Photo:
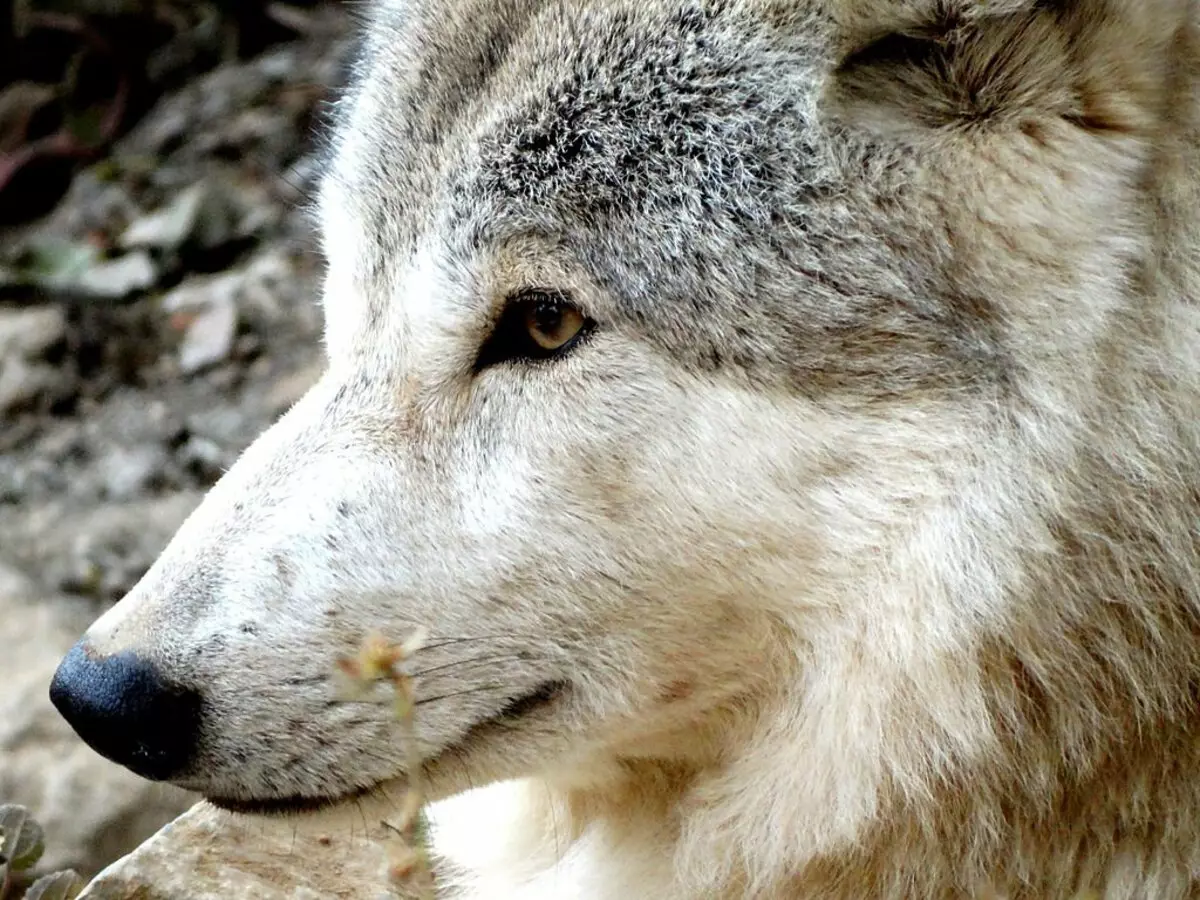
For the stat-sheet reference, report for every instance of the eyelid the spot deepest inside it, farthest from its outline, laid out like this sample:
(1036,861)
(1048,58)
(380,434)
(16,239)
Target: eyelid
(532,295)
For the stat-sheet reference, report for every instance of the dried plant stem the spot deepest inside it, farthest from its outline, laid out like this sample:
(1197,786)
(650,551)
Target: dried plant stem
(380,661)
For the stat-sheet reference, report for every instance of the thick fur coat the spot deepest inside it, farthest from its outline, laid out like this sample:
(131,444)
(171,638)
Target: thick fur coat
(851,549)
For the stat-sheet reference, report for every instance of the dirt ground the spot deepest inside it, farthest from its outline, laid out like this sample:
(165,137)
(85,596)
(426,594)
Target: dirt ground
(163,311)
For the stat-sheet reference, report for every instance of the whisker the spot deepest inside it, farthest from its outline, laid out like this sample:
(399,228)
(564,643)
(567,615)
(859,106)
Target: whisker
(448,641)
(475,690)
(387,795)
(470,663)
(302,680)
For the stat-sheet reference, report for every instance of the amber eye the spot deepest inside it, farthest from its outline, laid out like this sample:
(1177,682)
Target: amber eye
(535,325)
(552,323)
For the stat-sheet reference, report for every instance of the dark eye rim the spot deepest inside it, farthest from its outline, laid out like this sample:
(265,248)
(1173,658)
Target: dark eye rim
(510,341)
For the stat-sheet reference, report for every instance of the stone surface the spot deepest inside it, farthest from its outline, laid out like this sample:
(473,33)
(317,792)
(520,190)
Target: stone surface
(98,553)
(23,382)
(207,854)
(91,809)
(119,277)
(25,336)
(209,336)
(115,415)
(208,309)
(29,332)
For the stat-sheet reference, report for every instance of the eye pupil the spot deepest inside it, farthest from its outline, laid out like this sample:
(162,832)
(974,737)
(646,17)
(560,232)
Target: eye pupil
(548,316)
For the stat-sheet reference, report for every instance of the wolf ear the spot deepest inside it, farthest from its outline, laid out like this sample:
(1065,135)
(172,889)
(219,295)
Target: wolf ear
(1101,65)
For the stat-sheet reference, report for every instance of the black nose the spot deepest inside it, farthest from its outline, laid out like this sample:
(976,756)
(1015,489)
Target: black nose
(124,708)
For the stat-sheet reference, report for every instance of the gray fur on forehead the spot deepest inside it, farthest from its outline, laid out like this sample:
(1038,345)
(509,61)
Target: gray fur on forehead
(676,151)
(650,110)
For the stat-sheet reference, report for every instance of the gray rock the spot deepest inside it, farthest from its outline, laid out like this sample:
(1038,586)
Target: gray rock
(25,336)
(209,305)
(127,473)
(264,281)
(30,332)
(117,278)
(201,214)
(98,550)
(214,306)
(113,545)
(205,457)
(206,854)
(91,809)
(93,203)
(210,337)
(22,382)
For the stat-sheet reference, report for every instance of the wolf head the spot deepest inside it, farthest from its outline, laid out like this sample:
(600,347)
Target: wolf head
(730,386)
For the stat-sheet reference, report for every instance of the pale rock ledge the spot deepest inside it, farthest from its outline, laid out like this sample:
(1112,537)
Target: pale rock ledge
(208,854)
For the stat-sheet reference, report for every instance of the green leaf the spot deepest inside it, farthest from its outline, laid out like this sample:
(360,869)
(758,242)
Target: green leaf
(23,839)
(65,885)
(56,264)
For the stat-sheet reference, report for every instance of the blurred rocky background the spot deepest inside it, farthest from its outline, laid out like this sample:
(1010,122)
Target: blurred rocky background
(158,285)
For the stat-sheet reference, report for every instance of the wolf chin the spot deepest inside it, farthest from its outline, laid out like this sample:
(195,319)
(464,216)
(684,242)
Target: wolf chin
(784,417)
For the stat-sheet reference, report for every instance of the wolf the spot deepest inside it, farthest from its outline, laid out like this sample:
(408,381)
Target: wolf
(783,419)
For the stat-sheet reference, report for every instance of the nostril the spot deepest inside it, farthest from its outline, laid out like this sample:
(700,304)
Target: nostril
(124,708)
